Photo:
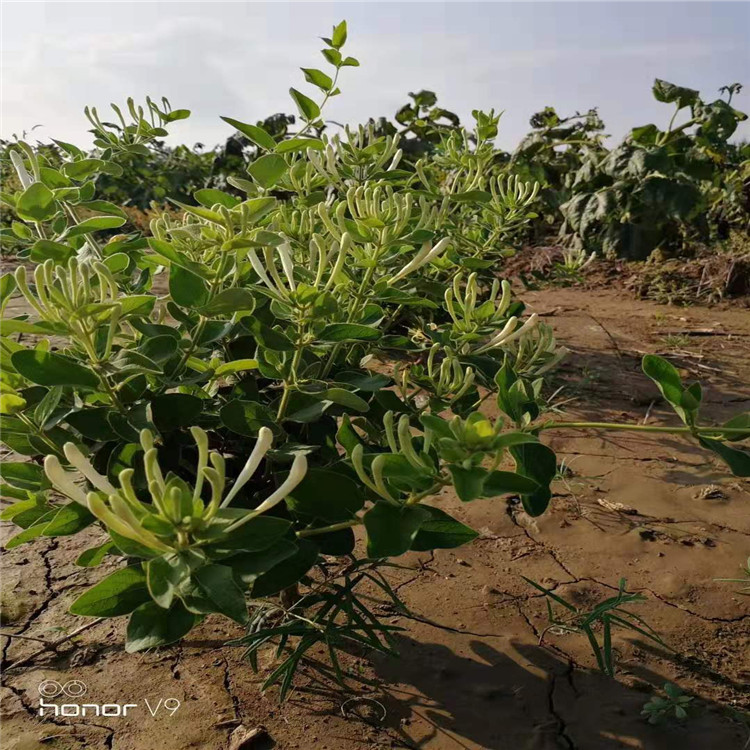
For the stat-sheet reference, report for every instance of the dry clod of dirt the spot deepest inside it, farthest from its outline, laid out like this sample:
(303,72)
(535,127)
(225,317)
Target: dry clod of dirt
(243,738)
(617,507)
(711,492)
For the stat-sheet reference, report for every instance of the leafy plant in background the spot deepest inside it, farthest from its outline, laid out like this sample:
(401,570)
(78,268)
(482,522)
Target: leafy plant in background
(660,187)
(745,580)
(229,398)
(675,705)
(608,614)
(552,154)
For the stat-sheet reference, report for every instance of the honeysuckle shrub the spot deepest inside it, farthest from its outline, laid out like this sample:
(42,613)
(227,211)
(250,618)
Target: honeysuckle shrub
(228,398)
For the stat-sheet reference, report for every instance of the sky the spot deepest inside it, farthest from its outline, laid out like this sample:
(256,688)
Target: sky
(239,59)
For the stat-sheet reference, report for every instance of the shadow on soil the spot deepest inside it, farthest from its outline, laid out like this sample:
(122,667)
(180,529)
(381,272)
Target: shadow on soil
(529,698)
(522,698)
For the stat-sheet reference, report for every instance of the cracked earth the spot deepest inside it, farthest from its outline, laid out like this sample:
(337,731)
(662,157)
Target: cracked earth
(652,509)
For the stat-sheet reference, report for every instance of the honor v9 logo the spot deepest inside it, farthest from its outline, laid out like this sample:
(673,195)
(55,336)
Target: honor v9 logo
(76,690)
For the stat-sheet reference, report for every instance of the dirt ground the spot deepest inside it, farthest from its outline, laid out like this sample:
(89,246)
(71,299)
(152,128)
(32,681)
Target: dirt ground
(472,673)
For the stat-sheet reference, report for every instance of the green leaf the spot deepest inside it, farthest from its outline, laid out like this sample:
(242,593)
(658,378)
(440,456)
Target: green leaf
(348,332)
(70,519)
(391,529)
(209,197)
(42,250)
(163,576)
(364,380)
(254,132)
(26,535)
(48,368)
(256,208)
(201,212)
(159,349)
(246,417)
(685,402)
(538,462)
(47,406)
(176,114)
(254,536)
(287,572)
(92,423)
(237,365)
(469,483)
(24,475)
(186,288)
(131,548)
(441,531)
(36,203)
(118,594)
(82,169)
(25,512)
(318,78)
(670,93)
(268,170)
(229,302)
(332,55)
(345,398)
(308,109)
(104,207)
(248,566)
(7,287)
(506,482)
(10,403)
(739,421)
(150,626)
(267,337)
(338,38)
(347,435)
(399,297)
(171,411)
(737,460)
(299,144)
(327,495)
(95,224)
(95,555)
(218,584)
(337,543)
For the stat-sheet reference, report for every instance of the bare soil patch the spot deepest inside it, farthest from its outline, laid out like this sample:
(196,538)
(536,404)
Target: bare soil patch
(472,673)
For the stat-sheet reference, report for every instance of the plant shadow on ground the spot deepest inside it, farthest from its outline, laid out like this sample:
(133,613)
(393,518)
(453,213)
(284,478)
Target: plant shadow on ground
(523,698)
(616,378)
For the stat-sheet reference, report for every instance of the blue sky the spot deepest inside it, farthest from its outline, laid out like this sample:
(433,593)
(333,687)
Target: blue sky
(239,59)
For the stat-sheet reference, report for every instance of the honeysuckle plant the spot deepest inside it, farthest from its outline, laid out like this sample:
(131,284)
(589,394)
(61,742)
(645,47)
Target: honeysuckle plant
(236,398)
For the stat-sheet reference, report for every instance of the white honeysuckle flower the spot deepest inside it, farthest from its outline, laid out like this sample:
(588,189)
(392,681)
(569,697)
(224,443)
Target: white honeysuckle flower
(260,270)
(62,481)
(287,264)
(296,474)
(121,511)
(265,438)
(80,462)
(509,333)
(23,175)
(424,256)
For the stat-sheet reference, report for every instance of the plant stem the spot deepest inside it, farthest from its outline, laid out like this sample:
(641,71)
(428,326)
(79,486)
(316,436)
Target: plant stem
(286,395)
(333,527)
(39,433)
(643,428)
